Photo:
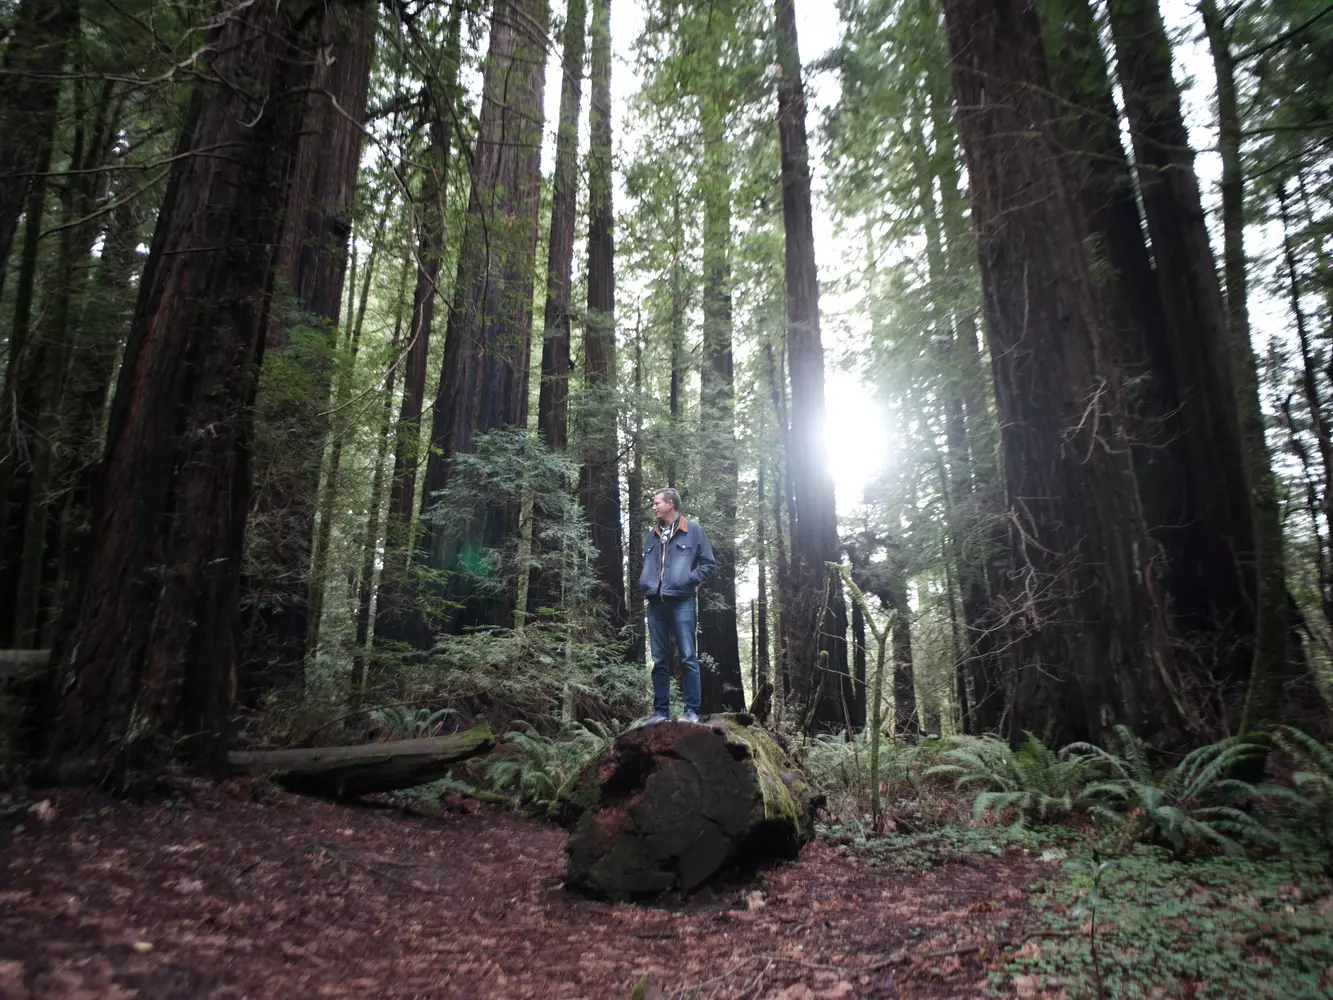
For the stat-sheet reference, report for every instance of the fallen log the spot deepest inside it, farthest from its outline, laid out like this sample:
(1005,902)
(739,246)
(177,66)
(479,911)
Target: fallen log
(669,806)
(346,772)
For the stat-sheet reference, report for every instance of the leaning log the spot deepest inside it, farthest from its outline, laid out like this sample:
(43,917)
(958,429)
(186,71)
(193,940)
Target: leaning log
(669,806)
(346,772)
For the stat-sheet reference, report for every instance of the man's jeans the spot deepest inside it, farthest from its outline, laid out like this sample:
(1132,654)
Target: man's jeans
(665,615)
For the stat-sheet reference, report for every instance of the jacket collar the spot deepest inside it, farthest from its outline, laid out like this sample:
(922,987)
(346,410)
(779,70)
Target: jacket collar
(681,525)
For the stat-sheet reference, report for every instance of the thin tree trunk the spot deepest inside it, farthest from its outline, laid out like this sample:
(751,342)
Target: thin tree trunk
(638,520)
(761,606)
(397,617)
(370,541)
(38,38)
(320,558)
(723,690)
(1269,668)
(150,671)
(812,627)
(599,484)
(553,404)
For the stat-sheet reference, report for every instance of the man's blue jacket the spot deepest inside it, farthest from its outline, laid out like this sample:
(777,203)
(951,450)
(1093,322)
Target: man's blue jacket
(677,568)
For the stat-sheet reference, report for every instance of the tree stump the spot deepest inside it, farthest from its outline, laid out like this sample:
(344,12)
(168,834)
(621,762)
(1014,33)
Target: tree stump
(669,806)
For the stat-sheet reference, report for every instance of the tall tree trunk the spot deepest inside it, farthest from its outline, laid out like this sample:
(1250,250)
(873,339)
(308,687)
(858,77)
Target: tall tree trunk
(553,404)
(1269,668)
(812,627)
(311,268)
(723,690)
(761,604)
(397,617)
(48,367)
(1207,361)
(34,59)
(544,587)
(371,540)
(151,669)
(483,379)
(328,502)
(1087,637)
(22,401)
(599,484)
(638,517)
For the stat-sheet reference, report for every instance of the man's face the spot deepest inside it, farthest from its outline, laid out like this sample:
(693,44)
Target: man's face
(663,509)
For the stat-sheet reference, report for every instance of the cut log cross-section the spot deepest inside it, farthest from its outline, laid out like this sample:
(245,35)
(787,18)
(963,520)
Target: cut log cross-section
(346,772)
(667,807)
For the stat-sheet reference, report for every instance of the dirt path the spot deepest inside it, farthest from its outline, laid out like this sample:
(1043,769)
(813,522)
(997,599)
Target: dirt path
(240,892)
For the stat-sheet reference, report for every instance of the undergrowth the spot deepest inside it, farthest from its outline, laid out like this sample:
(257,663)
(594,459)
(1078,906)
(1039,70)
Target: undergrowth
(1221,927)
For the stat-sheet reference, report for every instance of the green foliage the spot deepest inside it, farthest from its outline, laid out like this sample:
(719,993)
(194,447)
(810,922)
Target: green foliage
(1221,927)
(537,767)
(1031,781)
(1193,804)
(405,722)
(925,849)
(1314,774)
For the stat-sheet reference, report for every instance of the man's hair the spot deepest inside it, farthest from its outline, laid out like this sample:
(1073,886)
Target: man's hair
(670,493)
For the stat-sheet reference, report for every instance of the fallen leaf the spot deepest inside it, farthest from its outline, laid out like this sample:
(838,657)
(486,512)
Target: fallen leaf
(42,811)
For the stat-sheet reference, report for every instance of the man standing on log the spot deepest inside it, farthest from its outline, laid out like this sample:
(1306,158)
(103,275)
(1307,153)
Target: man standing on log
(676,559)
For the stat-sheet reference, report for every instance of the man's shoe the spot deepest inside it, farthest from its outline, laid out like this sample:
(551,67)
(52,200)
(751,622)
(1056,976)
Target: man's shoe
(688,716)
(655,718)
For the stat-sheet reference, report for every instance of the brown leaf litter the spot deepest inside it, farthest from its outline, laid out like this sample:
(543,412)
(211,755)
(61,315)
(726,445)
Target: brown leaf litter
(239,891)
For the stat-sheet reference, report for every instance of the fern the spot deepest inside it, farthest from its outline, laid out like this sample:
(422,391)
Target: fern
(401,722)
(1029,782)
(538,767)
(1314,775)
(1193,803)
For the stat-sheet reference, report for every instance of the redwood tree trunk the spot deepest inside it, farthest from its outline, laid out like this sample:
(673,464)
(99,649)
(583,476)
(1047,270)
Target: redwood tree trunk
(311,266)
(151,667)
(483,380)
(397,616)
(1087,637)
(723,690)
(599,482)
(1198,341)
(553,404)
(812,627)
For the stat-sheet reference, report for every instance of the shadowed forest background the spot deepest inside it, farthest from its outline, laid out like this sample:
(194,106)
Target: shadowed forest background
(337,373)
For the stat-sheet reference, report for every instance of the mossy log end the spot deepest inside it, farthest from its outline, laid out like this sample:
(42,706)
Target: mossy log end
(346,772)
(666,807)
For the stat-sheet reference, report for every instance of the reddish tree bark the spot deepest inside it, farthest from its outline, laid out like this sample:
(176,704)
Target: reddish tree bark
(599,482)
(311,267)
(1088,642)
(484,377)
(152,663)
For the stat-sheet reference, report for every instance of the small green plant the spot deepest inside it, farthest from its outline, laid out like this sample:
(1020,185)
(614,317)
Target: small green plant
(537,767)
(1314,775)
(1192,804)
(1218,928)
(1029,782)
(406,722)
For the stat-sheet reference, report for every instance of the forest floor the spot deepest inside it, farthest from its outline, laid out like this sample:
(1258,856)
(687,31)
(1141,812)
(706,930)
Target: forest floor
(239,890)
